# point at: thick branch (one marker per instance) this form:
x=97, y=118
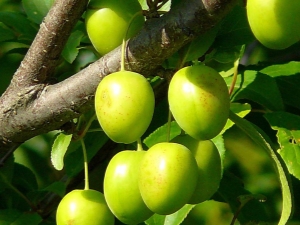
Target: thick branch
x=53, y=105
x=42, y=58
x=35, y=70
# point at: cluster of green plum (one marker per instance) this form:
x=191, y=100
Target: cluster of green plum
x=138, y=183
x=168, y=175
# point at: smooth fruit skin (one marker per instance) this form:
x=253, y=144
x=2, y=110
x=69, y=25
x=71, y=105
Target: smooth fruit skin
x=168, y=177
x=209, y=167
x=274, y=23
x=121, y=188
x=86, y=207
x=107, y=22
x=199, y=101
x=124, y=103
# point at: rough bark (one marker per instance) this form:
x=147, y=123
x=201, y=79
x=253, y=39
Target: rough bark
x=32, y=105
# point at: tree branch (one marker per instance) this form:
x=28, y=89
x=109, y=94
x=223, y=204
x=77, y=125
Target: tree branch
x=40, y=107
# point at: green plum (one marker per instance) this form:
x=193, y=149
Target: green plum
x=124, y=103
x=121, y=188
x=168, y=177
x=275, y=23
x=209, y=167
x=107, y=22
x=199, y=101
x=86, y=207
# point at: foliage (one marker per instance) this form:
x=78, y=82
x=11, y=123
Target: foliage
x=257, y=185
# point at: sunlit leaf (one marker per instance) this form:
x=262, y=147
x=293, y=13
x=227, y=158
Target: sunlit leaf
x=240, y=109
x=161, y=134
x=257, y=87
x=59, y=149
x=156, y=220
x=287, y=126
x=283, y=176
x=172, y=219
x=287, y=69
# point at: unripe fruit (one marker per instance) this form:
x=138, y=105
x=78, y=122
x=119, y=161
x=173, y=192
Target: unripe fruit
x=86, y=207
x=275, y=23
x=121, y=188
x=168, y=177
x=107, y=22
x=124, y=103
x=209, y=167
x=199, y=101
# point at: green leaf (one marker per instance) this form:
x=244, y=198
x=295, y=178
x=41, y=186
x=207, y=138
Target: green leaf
x=19, y=24
x=289, y=85
x=36, y=10
x=287, y=69
x=225, y=54
x=156, y=220
x=144, y=5
x=200, y=45
x=240, y=109
x=287, y=78
x=219, y=142
x=287, y=126
x=59, y=149
x=165, y=7
x=57, y=187
x=6, y=173
x=24, y=178
x=74, y=161
x=6, y=34
x=235, y=29
x=231, y=190
x=257, y=87
x=70, y=51
x=172, y=219
x=177, y=217
x=15, y=217
x=160, y=134
x=262, y=140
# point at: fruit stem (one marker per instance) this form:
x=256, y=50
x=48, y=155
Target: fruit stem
x=139, y=145
x=123, y=55
x=86, y=168
x=236, y=65
x=94, y=130
x=244, y=201
x=86, y=128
